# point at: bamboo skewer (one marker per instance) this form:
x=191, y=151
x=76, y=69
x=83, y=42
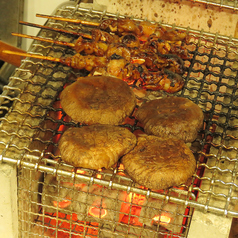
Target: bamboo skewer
x=77, y=61
x=11, y=59
x=140, y=61
x=9, y=52
x=77, y=21
x=56, y=29
x=45, y=39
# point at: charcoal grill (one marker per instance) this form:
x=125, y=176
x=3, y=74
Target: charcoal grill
x=54, y=198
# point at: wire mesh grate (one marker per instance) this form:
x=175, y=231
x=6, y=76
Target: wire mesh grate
x=33, y=122
x=232, y=5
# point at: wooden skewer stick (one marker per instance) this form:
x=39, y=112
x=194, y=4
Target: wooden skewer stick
x=11, y=59
x=31, y=55
x=77, y=21
x=68, y=61
x=72, y=45
x=56, y=29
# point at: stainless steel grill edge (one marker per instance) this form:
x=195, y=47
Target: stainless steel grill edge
x=32, y=118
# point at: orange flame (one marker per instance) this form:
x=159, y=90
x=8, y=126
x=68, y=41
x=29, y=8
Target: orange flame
x=80, y=171
x=121, y=167
x=97, y=209
x=66, y=223
x=99, y=176
x=135, y=198
x=62, y=204
x=162, y=219
x=97, y=212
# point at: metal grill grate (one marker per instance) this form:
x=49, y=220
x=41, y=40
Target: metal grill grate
x=64, y=209
x=232, y=5
x=33, y=123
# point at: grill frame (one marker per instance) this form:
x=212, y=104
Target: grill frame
x=34, y=130
x=232, y=5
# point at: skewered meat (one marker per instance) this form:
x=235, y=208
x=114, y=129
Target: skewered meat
x=161, y=46
x=88, y=62
x=143, y=29
x=157, y=163
x=171, y=34
x=97, y=48
x=95, y=146
x=155, y=62
x=147, y=28
x=164, y=79
x=120, y=26
x=116, y=67
x=99, y=35
x=171, y=117
x=98, y=100
x=130, y=40
x=100, y=48
x=118, y=50
x=161, y=80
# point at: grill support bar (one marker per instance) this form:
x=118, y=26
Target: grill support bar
x=8, y=201
x=109, y=184
x=208, y=225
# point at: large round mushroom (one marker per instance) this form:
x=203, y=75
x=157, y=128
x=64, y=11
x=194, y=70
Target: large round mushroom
x=98, y=100
x=171, y=117
x=95, y=146
x=159, y=164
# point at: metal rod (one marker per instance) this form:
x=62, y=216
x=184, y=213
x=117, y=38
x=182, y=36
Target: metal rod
x=85, y=178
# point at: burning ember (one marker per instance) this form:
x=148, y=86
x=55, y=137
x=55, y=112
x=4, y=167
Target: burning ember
x=63, y=204
x=97, y=212
x=161, y=219
x=83, y=203
x=65, y=226
x=77, y=208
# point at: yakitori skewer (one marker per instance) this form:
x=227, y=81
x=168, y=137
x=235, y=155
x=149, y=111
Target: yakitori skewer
x=149, y=58
x=76, y=61
x=9, y=52
x=165, y=80
x=55, y=29
x=99, y=48
x=120, y=26
x=64, y=43
x=77, y=21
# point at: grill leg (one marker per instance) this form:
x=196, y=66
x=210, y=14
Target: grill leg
x=8, y=201
x=208, y=225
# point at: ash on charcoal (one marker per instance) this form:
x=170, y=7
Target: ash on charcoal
x=91, y=202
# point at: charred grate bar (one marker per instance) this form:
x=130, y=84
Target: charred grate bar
x=232, y=4
x=33, y=123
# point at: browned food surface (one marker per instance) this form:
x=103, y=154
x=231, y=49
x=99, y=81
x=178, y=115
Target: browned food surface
x=98, y=100
x=159, y=164
x=171, y=117
x=95, y=146
x=143, y=53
